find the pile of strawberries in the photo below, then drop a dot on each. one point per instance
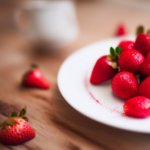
(129, 68)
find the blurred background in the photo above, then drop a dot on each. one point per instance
(63, 26)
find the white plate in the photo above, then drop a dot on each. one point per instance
(95, 102)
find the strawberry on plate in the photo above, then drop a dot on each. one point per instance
(144, 88)
(142, 44)
(106, 67)
(145, 67)
(34, 78)
(124, 85)
(131, 60)
(16, 129)
(126, 45)
(138, 107)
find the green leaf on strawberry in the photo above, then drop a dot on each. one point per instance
(114, 54)
(23, 112)
(112, 51)
(11, 121)
(118, 51)
(14, 114)
(16, 130)
(25, 118)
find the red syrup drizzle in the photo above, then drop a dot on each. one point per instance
(115, 110)
(89, 92)
(112, 110)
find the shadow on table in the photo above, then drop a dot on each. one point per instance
(67, 118)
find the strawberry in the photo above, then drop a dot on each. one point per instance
(16, 129)
(131, 60)
(145, 67)
(124, 85)
(144, 88)
(34, 78)
(106, 67)
(120, 30)
(142, 44)
(126, 45)
(138, 107)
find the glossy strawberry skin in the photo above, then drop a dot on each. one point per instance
(35, 79)
(102, 71)
(126, 45)
(17, 134)
(145, 67)
(131, 60)
(120, 30)
(124, 85)
(142, 44)
(144, 88)
(138, 107)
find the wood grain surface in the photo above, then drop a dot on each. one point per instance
(57, 125)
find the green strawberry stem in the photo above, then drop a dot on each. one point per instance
(148, 32)
(115, 53)
(114, 56)
(34, 66)
(140, 29)
(11, 121)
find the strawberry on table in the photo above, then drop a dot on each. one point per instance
(131, 60)
(124, 85)
(16, 129)
(121, 30)
(34, 78)
(138, 107)
(126, 45)
(106, 67)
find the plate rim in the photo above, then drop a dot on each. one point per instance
(65, 97)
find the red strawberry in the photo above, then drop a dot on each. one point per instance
(124, 85)
(131, 61)
(106, 67)
(144, 88)
(102, 71)
(34, 78)
(142, 44)
(120, 30)
(16, 129)
(126, 45)
(138, 107)
(145, 67)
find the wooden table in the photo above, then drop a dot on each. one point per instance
(57, 125)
